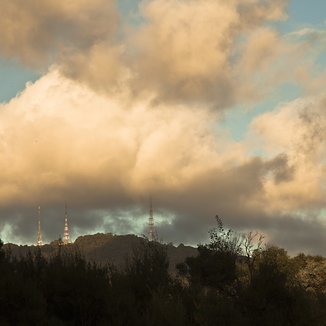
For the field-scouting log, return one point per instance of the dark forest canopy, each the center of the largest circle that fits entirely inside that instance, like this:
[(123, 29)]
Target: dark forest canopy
[(232, 280)]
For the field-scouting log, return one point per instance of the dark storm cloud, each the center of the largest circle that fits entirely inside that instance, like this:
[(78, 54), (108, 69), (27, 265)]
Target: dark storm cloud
[(298, 234)]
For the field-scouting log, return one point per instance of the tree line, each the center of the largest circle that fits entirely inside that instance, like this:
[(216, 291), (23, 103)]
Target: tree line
[(234, 280)]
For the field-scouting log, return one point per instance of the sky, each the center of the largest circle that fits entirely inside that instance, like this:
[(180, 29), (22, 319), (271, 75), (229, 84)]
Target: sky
[(211, 107)]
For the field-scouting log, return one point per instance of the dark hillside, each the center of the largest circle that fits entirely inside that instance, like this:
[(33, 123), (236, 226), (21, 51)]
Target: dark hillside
[(104, 248)]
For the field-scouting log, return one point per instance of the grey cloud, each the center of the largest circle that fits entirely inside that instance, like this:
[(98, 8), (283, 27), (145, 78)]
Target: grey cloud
[(279, 165), (188, 215), (36, 32), (256, 13), (314, 121), (297, 234)]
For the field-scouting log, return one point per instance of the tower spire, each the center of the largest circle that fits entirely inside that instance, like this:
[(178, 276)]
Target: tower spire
[(66, 238), (152, 235), (39, 236)]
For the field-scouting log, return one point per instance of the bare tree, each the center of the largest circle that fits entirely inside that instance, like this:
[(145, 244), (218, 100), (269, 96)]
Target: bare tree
[(252, 250)]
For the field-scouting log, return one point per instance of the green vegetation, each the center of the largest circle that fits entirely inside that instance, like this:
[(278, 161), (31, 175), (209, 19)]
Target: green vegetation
[(233, 280)]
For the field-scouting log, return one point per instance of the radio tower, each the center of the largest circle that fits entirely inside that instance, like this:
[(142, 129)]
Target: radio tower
[(39, 236), (66, 238), (152, 235)]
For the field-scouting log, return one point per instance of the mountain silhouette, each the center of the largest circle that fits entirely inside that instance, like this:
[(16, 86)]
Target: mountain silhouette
[(104, 248)]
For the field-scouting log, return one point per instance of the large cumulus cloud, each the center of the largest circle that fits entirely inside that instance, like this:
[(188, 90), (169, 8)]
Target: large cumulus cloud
[(61, 141)]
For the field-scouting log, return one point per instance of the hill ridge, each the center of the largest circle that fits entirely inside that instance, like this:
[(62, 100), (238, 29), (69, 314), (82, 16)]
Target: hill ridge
[(104, 248)]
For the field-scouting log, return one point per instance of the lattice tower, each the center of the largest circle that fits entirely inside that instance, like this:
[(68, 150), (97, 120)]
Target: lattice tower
[(152, 235), (66, 238), (39, 236)]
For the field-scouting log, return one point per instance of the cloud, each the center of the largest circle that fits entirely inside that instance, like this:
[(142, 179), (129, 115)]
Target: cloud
[(38, 33), (126, 112), (184, 50), (296, 130), (61, 141), (208, 53)]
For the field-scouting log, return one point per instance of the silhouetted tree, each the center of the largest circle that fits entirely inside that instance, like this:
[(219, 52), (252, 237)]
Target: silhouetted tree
[(215, 264)]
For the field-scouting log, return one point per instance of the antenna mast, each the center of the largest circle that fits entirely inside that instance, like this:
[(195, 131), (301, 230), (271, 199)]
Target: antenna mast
[(66, 238), (39, 236), (152, 235)]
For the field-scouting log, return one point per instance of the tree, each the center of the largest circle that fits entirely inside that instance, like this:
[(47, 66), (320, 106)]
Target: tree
[(215, 264), (272, 297), (252, 252), (313, 275), (143, 287)]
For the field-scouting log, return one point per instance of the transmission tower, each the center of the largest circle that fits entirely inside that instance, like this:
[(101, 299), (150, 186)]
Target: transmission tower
[(39, 236), (152, 235), (66, 238)]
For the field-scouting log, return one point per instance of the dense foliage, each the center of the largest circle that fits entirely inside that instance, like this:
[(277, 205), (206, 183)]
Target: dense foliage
[(232, 281)]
